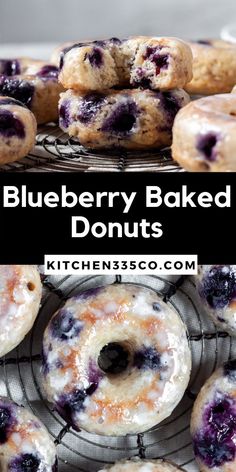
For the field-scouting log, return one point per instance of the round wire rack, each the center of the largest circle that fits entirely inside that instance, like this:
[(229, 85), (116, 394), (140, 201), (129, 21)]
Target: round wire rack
[(20, 377), (55, 151)]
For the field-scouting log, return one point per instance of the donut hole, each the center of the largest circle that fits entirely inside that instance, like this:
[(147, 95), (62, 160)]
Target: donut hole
[(31, 286), (114, 358)]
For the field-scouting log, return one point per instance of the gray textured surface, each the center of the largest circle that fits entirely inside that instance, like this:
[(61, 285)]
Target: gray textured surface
[(58, 20)]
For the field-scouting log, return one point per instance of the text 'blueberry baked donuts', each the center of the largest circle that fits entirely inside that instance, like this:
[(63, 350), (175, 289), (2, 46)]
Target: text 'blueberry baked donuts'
[(204, 134), (213, 422), (156, 63), (20, 296), (17, 130), (216, 285), (116, 360), (214, 67), (137, 465), (25, 445), (127, 118), (34, 83)]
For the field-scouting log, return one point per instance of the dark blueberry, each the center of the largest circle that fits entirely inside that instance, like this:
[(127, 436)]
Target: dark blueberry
[(25, 463), (55, 466), (70, 404), (89, 107), (11, 101), (115, 41), (92, 292), (171, 105), (122, 119), (16, 88), (156, 306), (66, 50), (140, 79), (206, 145), (205, 42), (94, 374), (214, 443), (230, 370), (95, 57), (9, 67), (10, 125), (218, 286), (64, 326), (148, 358), (48, 71), (6, 422), (64, 114), (213, 453), (45, 364), (160, 60), (113, 358), (100, 43)]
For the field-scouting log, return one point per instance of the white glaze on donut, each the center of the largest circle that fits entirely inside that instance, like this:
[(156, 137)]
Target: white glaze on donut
[(20, 295), (25, 444), (156, 374), (204, 134)]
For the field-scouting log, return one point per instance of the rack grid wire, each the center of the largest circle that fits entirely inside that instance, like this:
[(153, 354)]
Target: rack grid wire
[(20, 377), (55, 151)]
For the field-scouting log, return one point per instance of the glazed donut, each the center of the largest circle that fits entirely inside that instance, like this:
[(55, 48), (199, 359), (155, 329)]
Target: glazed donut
[(135, 465), (17, 130), (133, 119), (213, 422), (34, 83), (156, 63), (20, 295), (216, 286), (116, 360), (214, 67), (25, 445), (204, 134)]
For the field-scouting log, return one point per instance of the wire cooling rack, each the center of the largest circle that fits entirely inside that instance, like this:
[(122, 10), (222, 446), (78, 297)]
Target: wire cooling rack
[(20, 378), (55, 151)]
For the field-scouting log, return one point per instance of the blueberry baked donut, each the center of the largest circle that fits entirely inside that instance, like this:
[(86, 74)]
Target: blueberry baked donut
[(213, 422), (216, 285), (17, 130), (39, 92), (25, 445), (27, 66), (214, 67), (20, 295), (204, 134), (132, 119), (116, 360), (137, 465), (156, 63)]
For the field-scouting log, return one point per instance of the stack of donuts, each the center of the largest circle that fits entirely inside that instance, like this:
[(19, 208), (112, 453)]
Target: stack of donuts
[(123, 93), (29, 95), (204, 133), (116, 361)]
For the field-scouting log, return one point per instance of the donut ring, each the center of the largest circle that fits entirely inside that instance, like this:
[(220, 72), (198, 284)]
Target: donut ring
[(204, 134), (134, 119), (20, 295), (34, 83), (17, 130), (216, 286), (135, 465), (213, 422), (156, 63), (110, 356), (25, 444), (214, 67)]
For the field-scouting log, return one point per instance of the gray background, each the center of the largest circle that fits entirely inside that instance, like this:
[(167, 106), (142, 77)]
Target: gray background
[(60, 20)]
